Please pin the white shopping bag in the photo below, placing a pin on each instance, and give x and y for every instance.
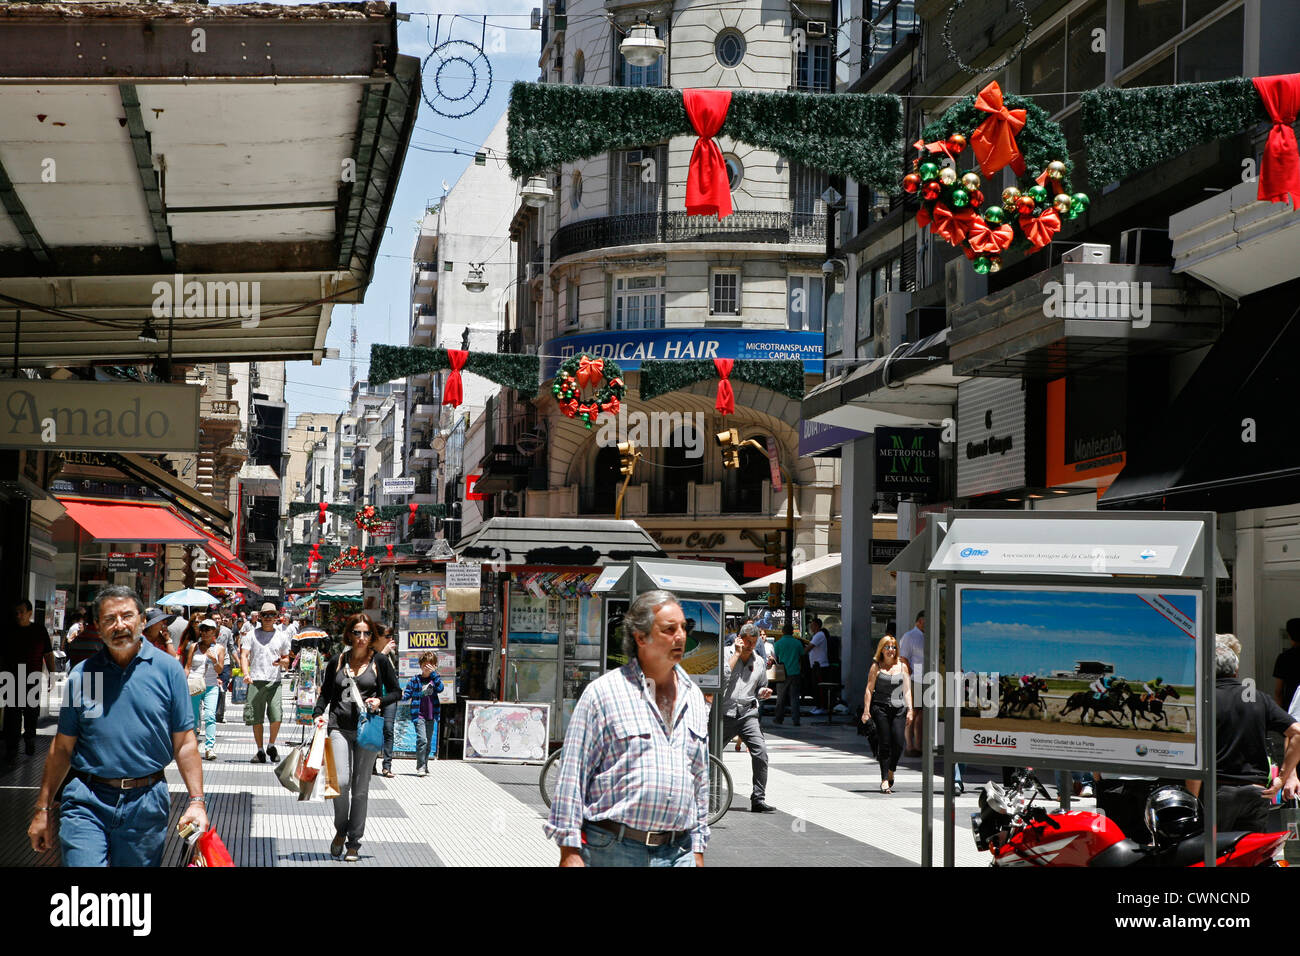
(316, 756)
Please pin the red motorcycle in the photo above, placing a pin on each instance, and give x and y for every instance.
(1018, 833)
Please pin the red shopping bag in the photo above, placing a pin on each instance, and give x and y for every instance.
(210, 851)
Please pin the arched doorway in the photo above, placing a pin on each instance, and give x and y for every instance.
(682, 464)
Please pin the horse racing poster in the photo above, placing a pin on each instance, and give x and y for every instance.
(1101, 675)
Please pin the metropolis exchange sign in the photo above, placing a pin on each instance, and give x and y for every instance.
(98, 416)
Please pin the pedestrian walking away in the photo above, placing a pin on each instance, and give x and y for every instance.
(819, 662)
(25, 649)
(127, 719)
(789, 652)
(633, 787)
(204, 662)
(422, 691)
(263, 652)
(912, 651)
(744, 684)
(888, 702)
(359, 673)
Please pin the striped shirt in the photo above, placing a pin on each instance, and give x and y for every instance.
(622, 763)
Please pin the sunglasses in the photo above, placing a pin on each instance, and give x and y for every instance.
(355, 631)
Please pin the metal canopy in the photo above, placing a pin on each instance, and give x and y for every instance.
(826, 569)
(689, 577)
(583, 543)
(918, 553)
(1035, 544)
(270, 158)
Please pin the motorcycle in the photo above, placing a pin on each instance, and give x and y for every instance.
(1017, 833)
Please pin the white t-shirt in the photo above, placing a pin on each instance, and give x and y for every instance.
(1295, 705)
(819, 653)
(912, 646)
(264, 649)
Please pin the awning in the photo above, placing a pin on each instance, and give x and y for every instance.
(1231, 439)
(586, 543)
(827, 567)
(221, 575)
(218, 549)
(171, 487)
(680, 577)
(129, 521)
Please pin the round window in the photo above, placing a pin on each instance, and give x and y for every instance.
(579, 67)
(735, 170)
(730, 48)
(575, 192)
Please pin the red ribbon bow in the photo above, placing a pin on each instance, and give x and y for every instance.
(611, 406)
(1040, 230)
(1279, 174)
(570, 408)
(943, 222)
(320, 517)
(453, 393)
(389, 549)
(708, 188)
(986, 239)
(726, 403)
(938, 146)
(590, 371)
(413, 507)
(994, 140)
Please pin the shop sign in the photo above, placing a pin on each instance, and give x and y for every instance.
(399, 486)
(907, 462)
(990, 436)
(630, 349)
(819, 438)
(383, 529)
(463, 583)
(883, 551)
(695, 541)
(425, 640)
(141, 562)
(1085, 430)
(98, 416)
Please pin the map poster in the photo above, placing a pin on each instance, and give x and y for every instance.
(506, 733)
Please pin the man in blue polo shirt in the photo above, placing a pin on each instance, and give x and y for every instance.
(126, 715)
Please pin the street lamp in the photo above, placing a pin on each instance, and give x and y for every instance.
(475, 282)
(642, 46)
(536, 193)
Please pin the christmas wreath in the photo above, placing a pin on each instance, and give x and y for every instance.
(579, 371)
(1018, 135)
(368, 519)
(352, 557)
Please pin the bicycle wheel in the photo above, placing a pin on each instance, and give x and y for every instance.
(721, 790)
(546, 780)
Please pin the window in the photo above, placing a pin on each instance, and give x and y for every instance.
(812, 68)
(835, 316)
(725, 294)
(575, 190)
(806, 188)
(735, 171)
(1148, 24)
(729, 48)
(579, 67)
(638, 302)
(324, 428)
(636, 179)
(571, 303)
(629, 75)
(446, 267)
(1214, 54)
(891, 26)
(804, 303)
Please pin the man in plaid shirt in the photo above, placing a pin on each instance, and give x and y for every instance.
(634, 779)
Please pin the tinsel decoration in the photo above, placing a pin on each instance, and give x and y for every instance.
(301, 553)
(349, 512)
(856, 135)
(581, 371)
(660, 377)
(389, 362)
(1125, 131)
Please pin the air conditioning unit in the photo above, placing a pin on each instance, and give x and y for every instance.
(889, 317)
(816, 28)
(633, 157)
(512, 501)
(536, 270)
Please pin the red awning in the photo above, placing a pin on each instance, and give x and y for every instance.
(222, 575)
(129, 521)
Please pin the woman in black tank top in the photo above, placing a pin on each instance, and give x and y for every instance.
(888, 702)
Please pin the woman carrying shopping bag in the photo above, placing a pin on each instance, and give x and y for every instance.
(204, 660)
(356, 687)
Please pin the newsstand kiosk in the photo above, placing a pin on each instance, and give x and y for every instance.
(1085, 608)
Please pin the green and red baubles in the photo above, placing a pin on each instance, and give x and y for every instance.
(580, 372)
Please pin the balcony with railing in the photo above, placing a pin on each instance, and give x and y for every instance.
(510, 341)
(782, 228)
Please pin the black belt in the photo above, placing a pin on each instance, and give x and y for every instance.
(120, 783)
(644, 837)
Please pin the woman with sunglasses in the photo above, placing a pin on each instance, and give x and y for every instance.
(888, 702)
(375, 680)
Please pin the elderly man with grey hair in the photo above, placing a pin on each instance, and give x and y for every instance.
(1242, 720)
(633, 788)
(744, 684)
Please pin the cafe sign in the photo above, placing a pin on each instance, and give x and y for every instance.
(98, 416)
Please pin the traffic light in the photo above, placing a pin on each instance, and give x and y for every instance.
(797, 598)
(773, 549)
(627, 457)
(774, 595)
(729, 442)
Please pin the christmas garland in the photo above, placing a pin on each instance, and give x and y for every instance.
(576, 373)
(388, 362)
(367, 519)
(382, 512)
(1129, 130)
(852, 134)
(660, 377)
(299, 553)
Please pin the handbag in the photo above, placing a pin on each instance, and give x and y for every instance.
(370, 727)
(287, 771)
(776, 673)
(197, 685)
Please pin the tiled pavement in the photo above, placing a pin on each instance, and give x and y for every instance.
(821, 780)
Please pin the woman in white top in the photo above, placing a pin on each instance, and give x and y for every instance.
(204, 661)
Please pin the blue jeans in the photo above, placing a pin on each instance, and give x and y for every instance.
(390, 720)
(100, 826)
(602, 848)
(425, 732)
(205, 715)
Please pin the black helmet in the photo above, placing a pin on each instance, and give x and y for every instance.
(1172, 814)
